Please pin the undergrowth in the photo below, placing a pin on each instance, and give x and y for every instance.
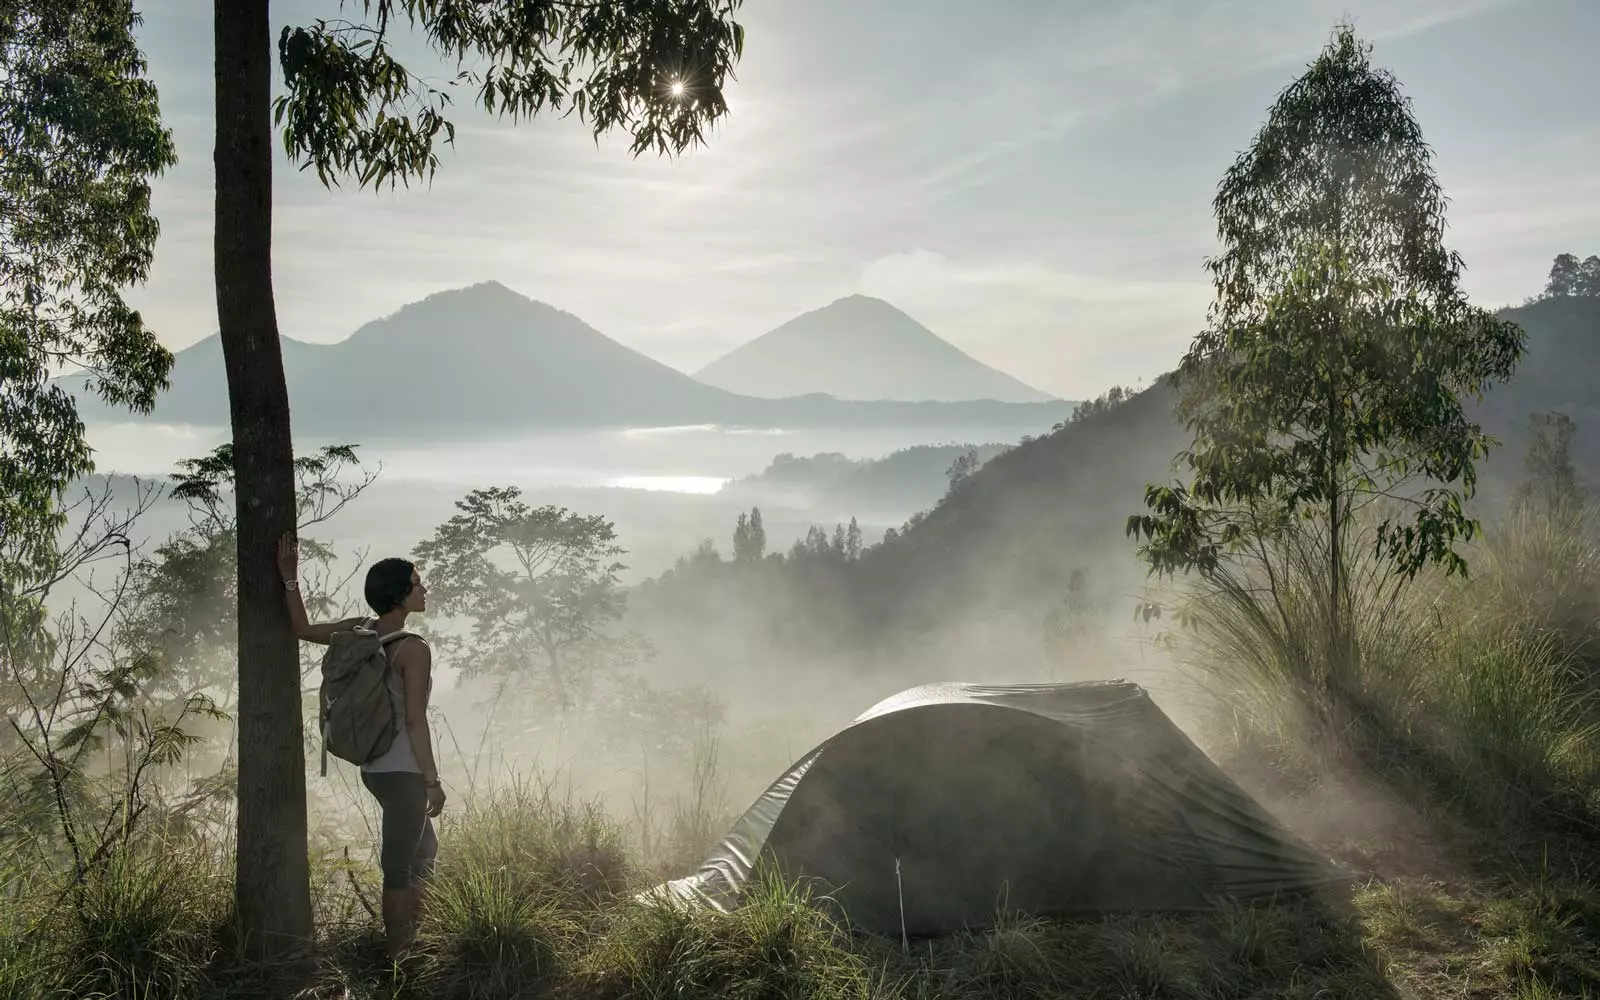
(1479, 693)
(534, 898)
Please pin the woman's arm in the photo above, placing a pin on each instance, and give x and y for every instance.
(415, 662)
(299, 622)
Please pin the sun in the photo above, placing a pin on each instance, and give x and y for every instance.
(677, 88)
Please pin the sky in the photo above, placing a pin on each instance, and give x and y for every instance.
(1029, 178)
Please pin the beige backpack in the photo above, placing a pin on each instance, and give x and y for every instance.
(358, 718)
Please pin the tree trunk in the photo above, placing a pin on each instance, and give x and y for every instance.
(272, 885)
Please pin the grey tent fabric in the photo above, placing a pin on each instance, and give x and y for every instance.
(946, 803)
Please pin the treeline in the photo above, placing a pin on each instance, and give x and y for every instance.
(908, 479)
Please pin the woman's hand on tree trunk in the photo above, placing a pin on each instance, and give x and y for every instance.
(288, 557)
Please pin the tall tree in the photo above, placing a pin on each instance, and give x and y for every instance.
(964, 466)
(654, 68)
(749, 537)
(80, 139)
(758, 535)
(1564, 276)
(1331, 370)
(1588, 280)
(536, 583)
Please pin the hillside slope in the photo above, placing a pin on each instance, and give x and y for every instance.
(861, 348)
(1012, 535)
(965, 586)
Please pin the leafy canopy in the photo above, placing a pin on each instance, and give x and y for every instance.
(1331, 372)
(655, 68)
(80, 138)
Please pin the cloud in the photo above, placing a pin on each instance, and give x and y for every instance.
(932, 276)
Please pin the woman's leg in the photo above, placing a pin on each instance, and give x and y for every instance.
(421, 869)
(404, 802)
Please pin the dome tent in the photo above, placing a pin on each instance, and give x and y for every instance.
(945, 802)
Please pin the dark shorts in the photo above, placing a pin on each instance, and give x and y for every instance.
(408, 845)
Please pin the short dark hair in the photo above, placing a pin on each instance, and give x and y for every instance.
(388, 584)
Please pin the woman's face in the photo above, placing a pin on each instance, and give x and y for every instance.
(417, 600)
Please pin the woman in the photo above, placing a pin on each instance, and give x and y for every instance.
(404, 779)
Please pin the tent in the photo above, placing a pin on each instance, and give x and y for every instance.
(946, 803)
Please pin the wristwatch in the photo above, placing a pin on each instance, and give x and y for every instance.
(291, 585)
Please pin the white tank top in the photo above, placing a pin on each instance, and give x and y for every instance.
(399, 756)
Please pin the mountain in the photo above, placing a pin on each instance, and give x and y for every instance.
(485, 359)
(865, 349)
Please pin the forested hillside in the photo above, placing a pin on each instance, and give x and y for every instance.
(987, 564)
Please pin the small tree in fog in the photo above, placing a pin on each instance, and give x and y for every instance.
(852, 540)
(1330, 374)
(1071, 623)
(1550, 480)
(749, 537)
(538, 586)
(182, 611)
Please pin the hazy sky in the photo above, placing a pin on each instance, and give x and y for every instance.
(1030, 178)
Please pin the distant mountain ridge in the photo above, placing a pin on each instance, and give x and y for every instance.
(486, 359)
(861, 348)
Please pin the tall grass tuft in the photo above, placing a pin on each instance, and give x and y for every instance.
(1508, 709)
(520, 874)
(489, 938)
(559, 850)
(143, 923)
(149, 921)
(779, 943)
(1539, 571)
(31, 955)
